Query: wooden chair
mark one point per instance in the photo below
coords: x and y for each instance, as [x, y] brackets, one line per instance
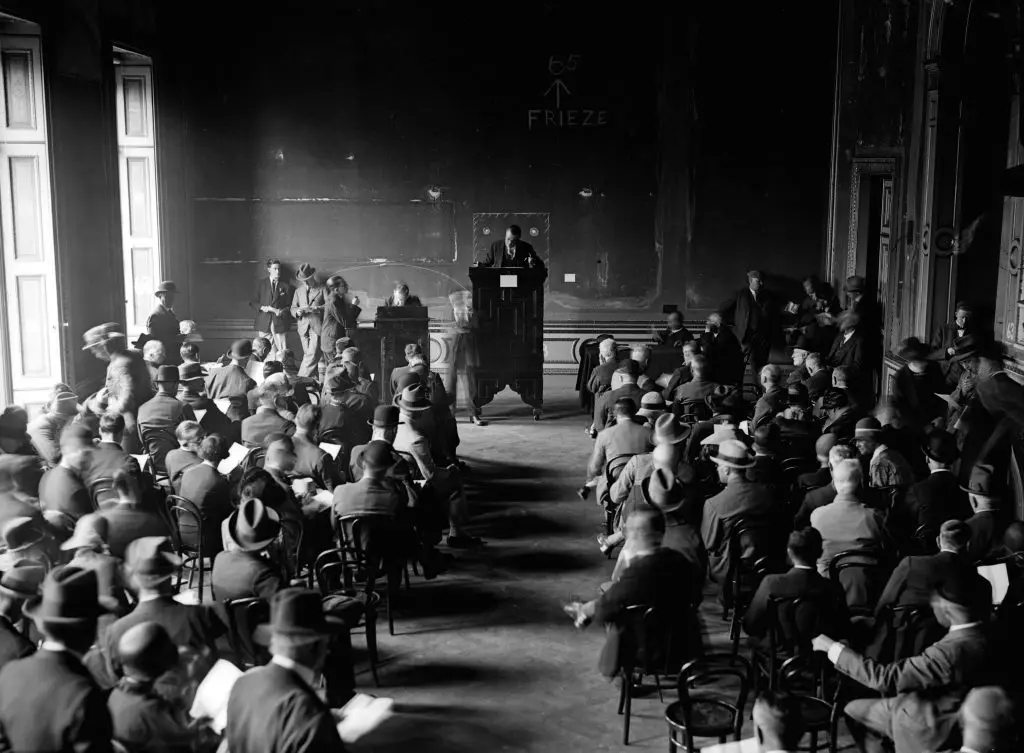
[102, 492]
[792, 624]
[332, 574]
[190, 548]
[870, 567]
[158, 441]
[816, 712]
[645, 651]
[703, 710]
[360, 537]
[612, 470]
[244, 616]
[752, 548]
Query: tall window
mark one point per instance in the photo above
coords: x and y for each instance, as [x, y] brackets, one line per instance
[136, 158]
[31, 317]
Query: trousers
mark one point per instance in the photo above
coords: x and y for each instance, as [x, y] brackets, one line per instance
[312, 356]
[277, 344]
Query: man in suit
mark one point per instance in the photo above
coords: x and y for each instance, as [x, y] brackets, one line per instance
[192, 392]
[272, 303]
[189, 434]
[131, 517]
[266, 420]
[682, 375]
[108, 456]
[308, 311]
[162, 324]
[241, 571]
[921, 695]
[987, 525]
[742, 501]
[600, 380]
[675, 334]
[44, 431]
[341, 312]
[943, 342]
[801, 350]
[938, 498]
[754, 312]
[413, 354]
[62, 487]
[400, 296]
[819, 376]
[823, 476]
[886, 467]
[128, 383]
[347, 410]
[626, 436]
[850, 350]
[724, 353]
[656, 576]
[802, 581]
[159, 417]
[823, 495]
[773, 396]
[385, 428]
[917, 383]
[231, 382]
[310, 460]
[19, 584]
[628, 372]
[512, 252]
[49, 700]
[694, 393]
[208, 490]
[999, 399]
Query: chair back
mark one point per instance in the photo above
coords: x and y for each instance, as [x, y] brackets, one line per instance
[244, 616]
[158, 441]
[289, 542]
[792, 624]
[699, 409]
[646, 641]
[330, 571]
[613, 468]
[187, 524]
[703, 678]
[862, 573]
[914, 629]
[102, 492]
[253, 459]
[368, 541]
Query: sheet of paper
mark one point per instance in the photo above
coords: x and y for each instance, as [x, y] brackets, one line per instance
[331, 449]
[792, 308]
[142, 460]
[211, 701]
[949, 400]
[254, 369]
[998, 577]
[199, 413]
[223, 403]
[508, 281]
[302, 486]
[235, 456]
[663, 380]
[361, 715]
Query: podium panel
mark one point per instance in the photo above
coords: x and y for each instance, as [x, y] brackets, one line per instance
[509, 308]
[396, 328]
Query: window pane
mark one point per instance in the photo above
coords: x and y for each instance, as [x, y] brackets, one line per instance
[25, 196]
[138, 197]
[143, 282]
[33, 325]
[18, 98]
[135, 106]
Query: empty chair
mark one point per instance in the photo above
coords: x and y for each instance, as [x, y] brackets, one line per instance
[705, 708]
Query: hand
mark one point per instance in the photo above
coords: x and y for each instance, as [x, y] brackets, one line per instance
[266, 309]
[822, 643]
[355, 300]
[277, 312]
[951, 351]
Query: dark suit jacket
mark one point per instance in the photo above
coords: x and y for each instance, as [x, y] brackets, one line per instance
[13, 645]
[814, 499]
[915, 579]
[164, 412]
[741, 500]
[725, 356]
[260, 425]
[772, 402]
[242, 575]
[231, 382]
[61, 489]
[282, 300]
[272, 709]
[50, 702]
[177, 462]
[370, 496]
[753, 320]
[314, 463]
[399, 468]
[679, 377]
[396, 375]
[211, 493]
[932, 502]
[799, 582]
[814, 479]
[601, 377]
[818, 382]
[340, 315]
[214, 421]
[852, 354]
[106, 460]
[605, 404]
[163, 325]
[986, 535]
[496, 256]
[143, 721]
[914, 395]
[127, 522]
[675, 339]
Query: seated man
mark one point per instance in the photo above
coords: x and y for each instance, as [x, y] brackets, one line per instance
[773, 400]
[164, 410]
[667, 431]
[413, 354]
[240, 571]
[657, 577]
[130, 518]
[62, 488]
[675, 334]
[108, 456]
[986, 525]
[886, 466]
[232, 382]
[600, 379]
[628, 372]
[192, 392]
[266, 420]
[801, 350]
[18, 585]
[625, 437]
[310, 460]
[205, 487]
[823, 495]
[921, 694]
[385, 429]
[823, 476]
[189, 435]
[347, 411]
[696, 391]
[802, 581]
[641, 353]
[987, 721]
[819, 376]
[938, 498]
[682, 375]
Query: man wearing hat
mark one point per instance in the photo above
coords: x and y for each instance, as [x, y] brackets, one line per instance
[798, 431]
[142, 718]
[231, 382]
[266, 420]
[886, 467]
[754, 313]
[49, 700]
[310, 460]
[723, 351]
[850, 350]
[385, 429]
[921, 695]
[767, 468]
[801, 350]
[986, 524]
[192, 392]
[20, 583]
[652, 405]
[308, 310]
[341, 311]
[128, 383]
[89, 544]
[664, 491]
[626, 436]
[628, 372]
[162, 414]
[938, 498]
[44, 431]
[243, 571]
[741, 501]
[917, 383]
[162, 324]
[346, 411]
[272, 302]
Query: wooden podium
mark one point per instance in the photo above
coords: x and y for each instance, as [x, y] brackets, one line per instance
[396, 328]
[509, 307]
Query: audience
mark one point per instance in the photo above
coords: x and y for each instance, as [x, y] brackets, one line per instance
[189, 435]
[773, 399]
[626, 436]
[938, 498]
[696, 391]
[819, 376]
[206, 488]
[108, 456]
[232, 382]
[886, 467]
[986, 524]
[682, 375]
[19, 584]
[627, 372]
[130, 518]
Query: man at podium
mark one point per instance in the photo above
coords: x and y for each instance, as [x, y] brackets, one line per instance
[512, 252]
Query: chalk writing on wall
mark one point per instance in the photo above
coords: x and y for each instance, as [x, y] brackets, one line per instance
[557, 112]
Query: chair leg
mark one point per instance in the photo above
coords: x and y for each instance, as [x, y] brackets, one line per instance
[622, 692]
[629, 703]
[814, 741]
[199, 562]
[657, 684]
[405, 571]
[391, 618]
[371, 643]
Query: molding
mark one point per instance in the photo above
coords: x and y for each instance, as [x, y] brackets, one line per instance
[851, 238]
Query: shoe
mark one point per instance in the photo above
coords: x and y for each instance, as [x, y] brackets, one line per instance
[583, 492]
[593, 433]
[606, 548]
[464, 542]
[477, 420]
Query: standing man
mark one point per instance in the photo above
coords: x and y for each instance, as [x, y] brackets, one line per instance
[163, 325]
[308, 310]
[128, 384]
[341, 311]
[273, 316]
[512, 252]
[753, 311]
[465, 357]
[723, 351]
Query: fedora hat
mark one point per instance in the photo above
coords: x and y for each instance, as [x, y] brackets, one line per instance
[69, 595]
[298, 613]
[253, 526]
[941, 447]
[90, 533]
[867, 426]
[241, 348]
[152, 560]
[855, 284]
[980, 481]
[663, 491]
[22, 580]
[23, 532]
[147, 651]
[384, 417]
[100, 335]
[189, 371]
[167, 286]
[305, 272]
[412, 398]
[965, 347]
[669, 430]
[734, 454]
[912, 349]
[722, 433]
[13, 422]
[339, 381]
[166, 374]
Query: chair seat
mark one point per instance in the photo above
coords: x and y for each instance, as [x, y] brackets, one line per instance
[708, 717]
[815, 712]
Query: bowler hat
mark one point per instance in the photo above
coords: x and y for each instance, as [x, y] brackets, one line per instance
[980, 481]
[151, 560]
[867, 426]
[913, 349]
[100, 335]
[412, 398]
[669, 430]
[305, 272]
[166, 374]
[663, 490]
[855, 284]
[90, 533]
[298, 613]
[941, 447]
[652, 405]
[65, 404]
[965, 347]
[146, 651]
[22, 579]
[804, 344]
[378, 455]
[339, 381]
[167, 286]
[254, 526]
[796, 394]
[189, 371]
[384, 417]
[734, 454]
[22, 532]
[241, 348]
[70, 595]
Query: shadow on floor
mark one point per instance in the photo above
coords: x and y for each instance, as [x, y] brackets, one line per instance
[490, 490]
[544, 561]
[515, 524]
[453, 728]
[495, 470]
[440, 674]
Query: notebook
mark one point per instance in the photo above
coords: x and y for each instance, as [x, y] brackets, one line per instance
[235, 456]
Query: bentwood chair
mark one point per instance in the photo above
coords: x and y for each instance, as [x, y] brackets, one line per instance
[704, 709]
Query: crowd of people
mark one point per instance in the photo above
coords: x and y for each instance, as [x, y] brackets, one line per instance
[888, 523]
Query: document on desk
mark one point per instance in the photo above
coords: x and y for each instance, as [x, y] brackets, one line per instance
[235, 456]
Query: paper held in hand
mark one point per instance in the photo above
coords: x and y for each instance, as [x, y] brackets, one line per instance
[235, 456]
[663, 380]
[792, 308]
[949, 400]
[223, 403]
[211, 701]
[331, 449]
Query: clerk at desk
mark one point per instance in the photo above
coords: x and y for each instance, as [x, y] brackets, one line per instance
[512, 252]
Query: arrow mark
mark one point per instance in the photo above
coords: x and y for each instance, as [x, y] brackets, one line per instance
[559, 88]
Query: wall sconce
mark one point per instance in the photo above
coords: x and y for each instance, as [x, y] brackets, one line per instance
[486, 230]
[586, 192]
[279, 155]
[534, 232]
[350, 157]
[434, 192]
